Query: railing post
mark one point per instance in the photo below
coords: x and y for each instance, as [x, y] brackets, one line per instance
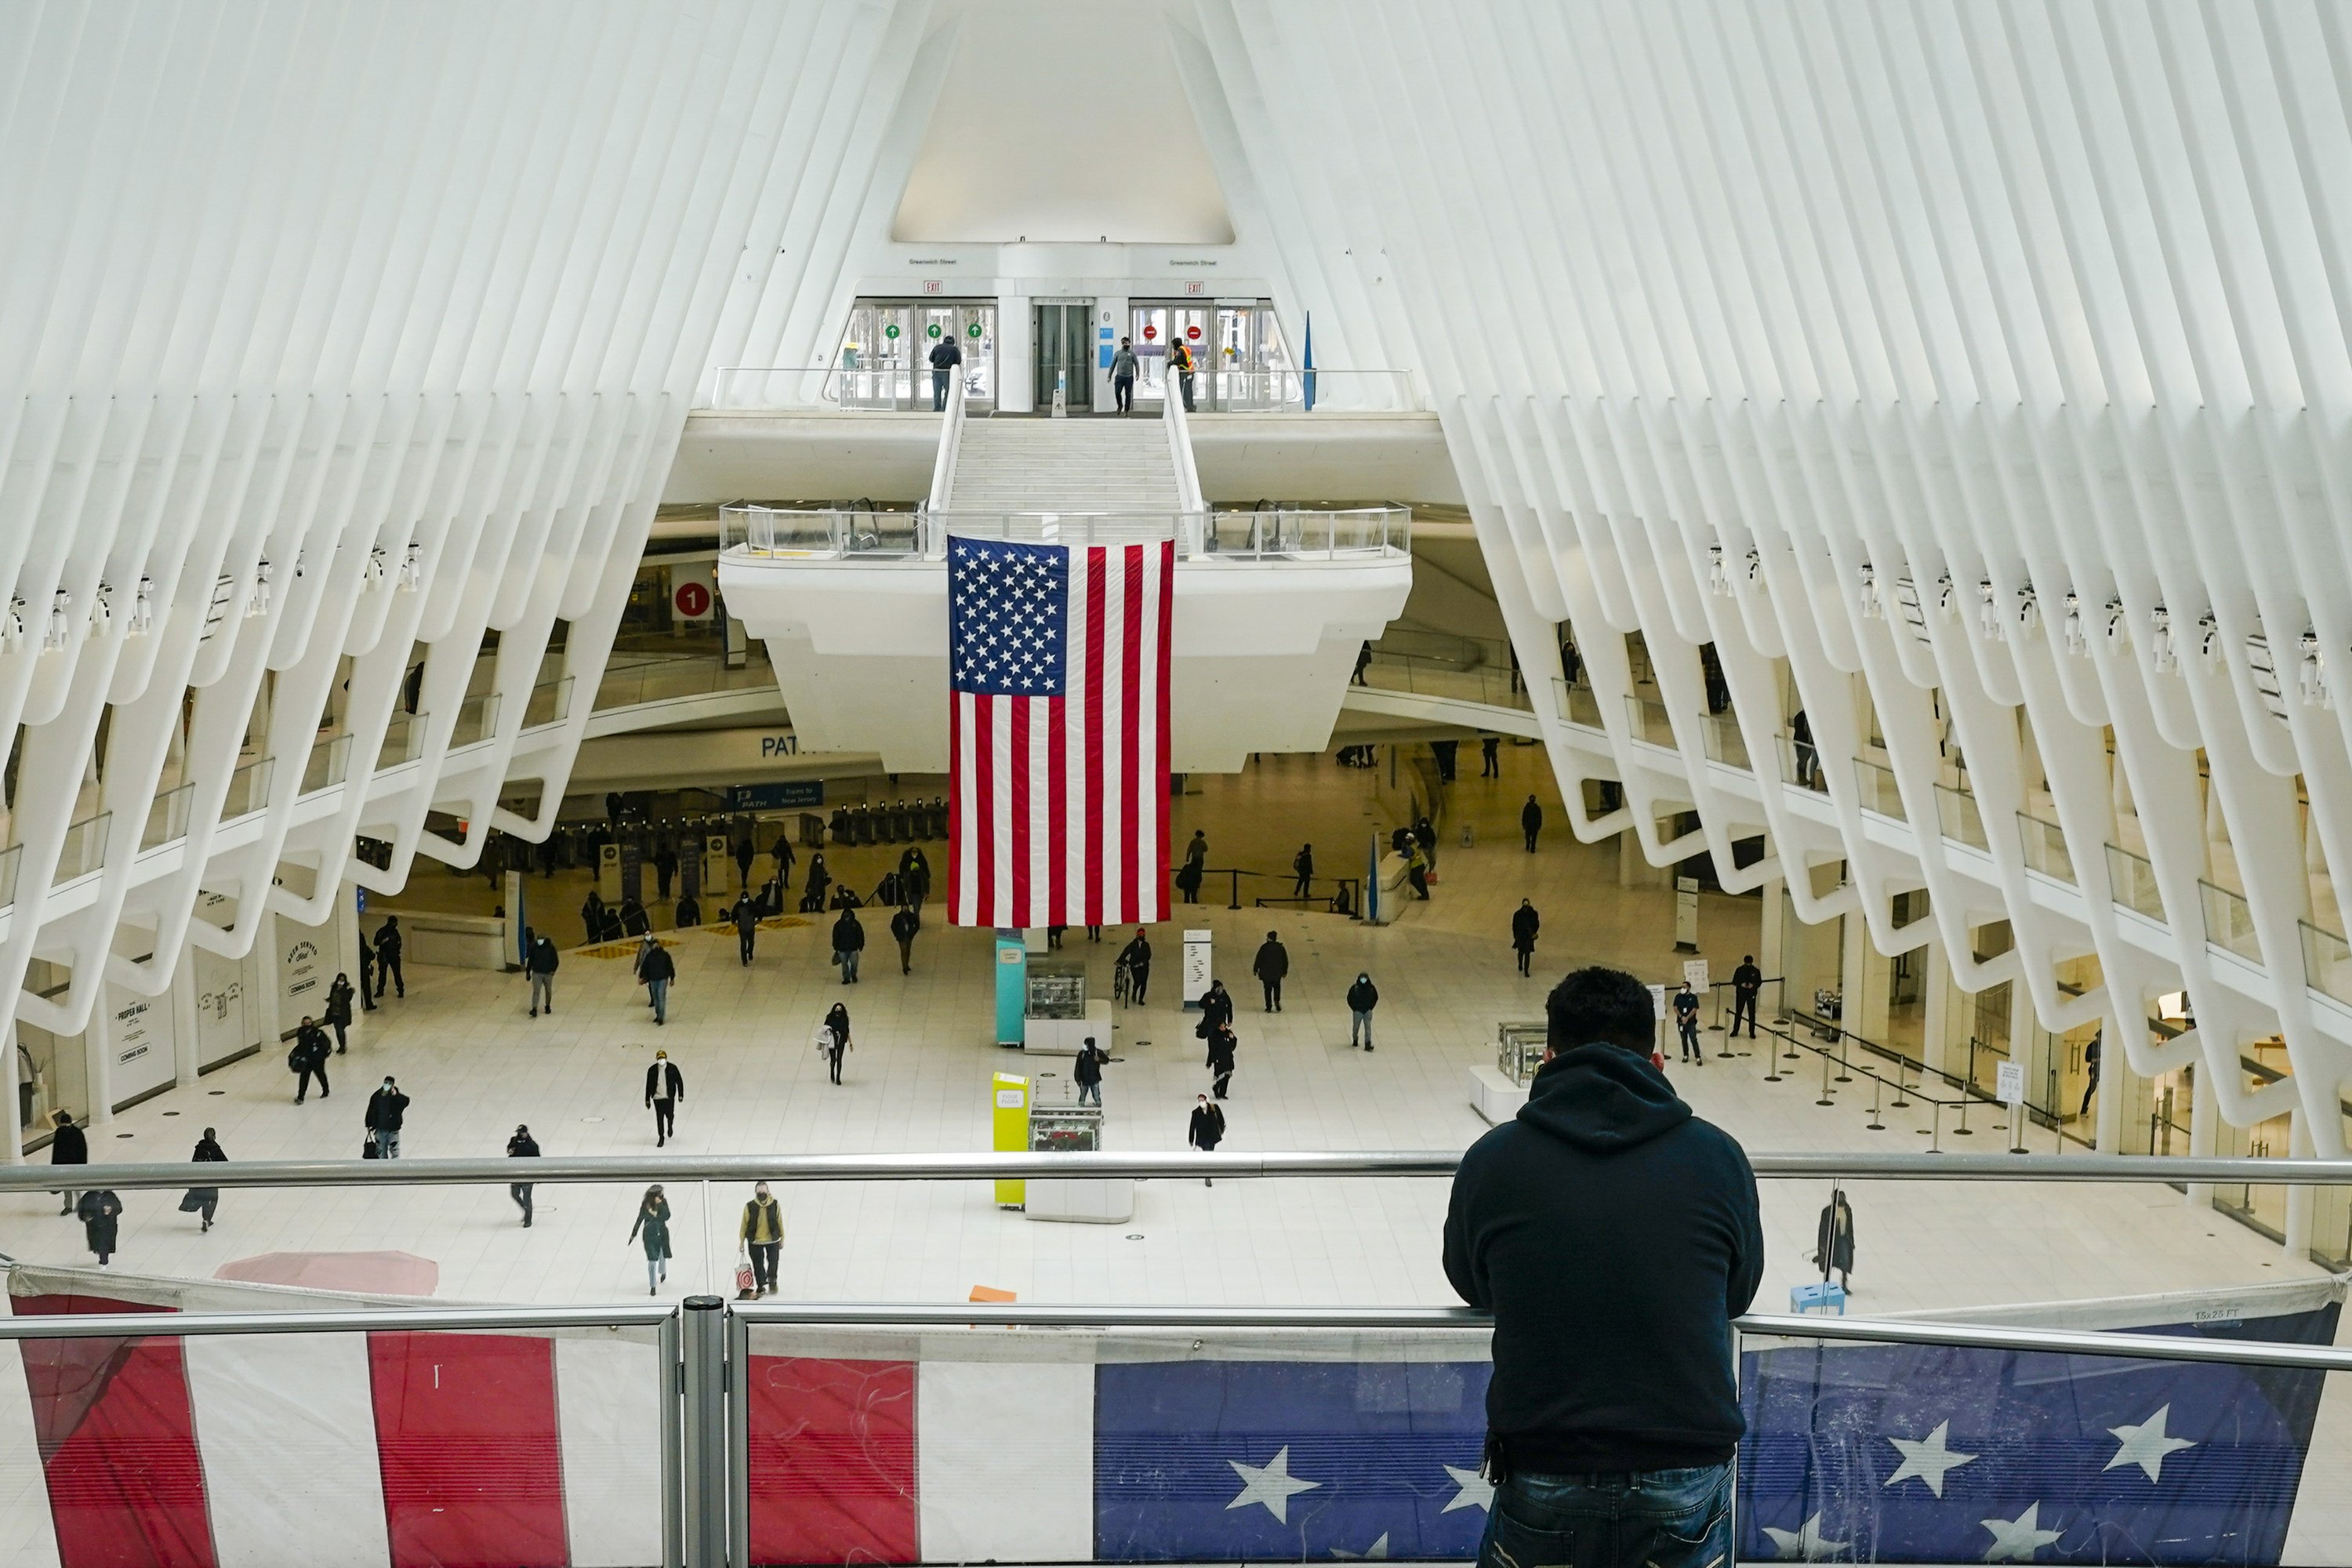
[673, 1463]
[704, 1346]
[1237, 890]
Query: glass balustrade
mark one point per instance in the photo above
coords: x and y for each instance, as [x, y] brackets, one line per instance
[404, 741]
[1725, 741]
[2326, 962]
[550, 703]
[1647, 720]
[328, 765]
[167, 817]
[1876, 781]
[84, 849]
[2229, 922]
[2131, 879]
[478, 720]
[12, 860]
[1958, 819]
[1578, 704]
[2044, 847]
[249, 789]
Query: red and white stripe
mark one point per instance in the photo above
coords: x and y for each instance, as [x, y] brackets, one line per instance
[1058, 805]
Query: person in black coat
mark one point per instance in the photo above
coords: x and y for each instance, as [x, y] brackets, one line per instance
[387, 1108]
[99, 1211]
[1302, 871]
[1747, 984]
[204, 1200]
[1524, 923]
[367, 975]
[1216, 1008]
[1531, 822]
[522, 1146]
[1087, 1072]
[387, 957]
[656, 970]
[1136, 958]
[744, 916]
[744, 856]
[1222, 1047]
[665, 1087]
[906, 925]
[834, 1037]
[339, 1011]
[1272, 963]
[1834, 1240]
[1206, 1130]
[67, 1146]
[785, 858]
[1363, 997]
[308, 1061]
[848, 942]
[665, 869]
[592, 915]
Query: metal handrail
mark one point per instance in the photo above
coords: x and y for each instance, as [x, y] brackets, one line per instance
[75, 1326]
[980, 1167]
[950, 444]
[1180, 452]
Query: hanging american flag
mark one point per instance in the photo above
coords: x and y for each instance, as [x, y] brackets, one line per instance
[1057, 696]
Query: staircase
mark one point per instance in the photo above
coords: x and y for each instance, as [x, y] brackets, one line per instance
[1065, 466]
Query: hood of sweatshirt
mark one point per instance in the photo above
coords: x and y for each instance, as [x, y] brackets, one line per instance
[1603, 1099]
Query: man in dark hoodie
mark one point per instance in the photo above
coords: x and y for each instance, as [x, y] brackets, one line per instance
[1614, 1236]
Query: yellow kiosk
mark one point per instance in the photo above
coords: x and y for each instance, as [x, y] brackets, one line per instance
[1011, 1126]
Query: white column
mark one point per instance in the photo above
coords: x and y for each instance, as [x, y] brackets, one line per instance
[2298, 1199]
[97, 1061]
[182, 1000]
[1017, 354]
[1939, 984]
[15, 1119]
[2204, 1116]
[1110, 311]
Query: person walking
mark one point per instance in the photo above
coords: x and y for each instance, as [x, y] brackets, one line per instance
[665, 867]
[656, 970]
[2091, 1066]
[99, 1211]
[1531, 822]
[1363, 997]
[1206, 1130]
[1222, 1047]
[67, 1146]
[1490, 762]
[1524, 923]
[1834, 1241]
[1122, 376]
[593, 915]
[1272, 963]
[387, 958]
[904, 925]
[944, 356]
[204, 1201]
[664, 1088]
[848, 942]
[387, 1108]
[762, 1235]
[744, 916]
[1686, 1023]
[541, 965]
[339, 1011]
[782, 851]
[1216, 1009]
[1087, 1072]
[522, 1146]
[1746, 983]
[1302, 871]
[1570, 662]
[833, 1040]
[367, 975]
[1180, 364]
[1614, 1236]
[1364, 663]
[1136, 956]
[914, 876]
[653, 1224]
[744, 854]
[308, 1061]
[1801, 743]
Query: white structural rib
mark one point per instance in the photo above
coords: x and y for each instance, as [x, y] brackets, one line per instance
[1972, 377]
[334, 340]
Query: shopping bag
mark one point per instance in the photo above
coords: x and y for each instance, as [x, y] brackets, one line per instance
[744, 1281]
[368, 1151]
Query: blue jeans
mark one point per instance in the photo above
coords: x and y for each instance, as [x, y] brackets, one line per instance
[1655, 1519]
[1360, 1027]
[660, 989]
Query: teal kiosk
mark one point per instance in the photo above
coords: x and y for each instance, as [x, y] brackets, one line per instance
[1012, 987]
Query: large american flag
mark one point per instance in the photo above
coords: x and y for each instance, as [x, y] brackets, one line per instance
[1057, 696]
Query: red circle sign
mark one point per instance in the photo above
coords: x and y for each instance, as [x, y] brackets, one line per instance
[1150, 333]
[1194, 333]
[692, 599]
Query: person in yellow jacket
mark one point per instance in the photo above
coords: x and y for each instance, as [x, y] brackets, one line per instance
[762, 1231]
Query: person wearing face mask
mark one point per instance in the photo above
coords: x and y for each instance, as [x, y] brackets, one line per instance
[386, 1108]
[653, 1224]
[762, 1232]
[1363, 997]
[1206, 1131]
[522, 1146]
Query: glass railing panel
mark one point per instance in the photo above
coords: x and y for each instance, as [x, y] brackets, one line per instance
[84, 849]
[167, 817]
[249, 789]
[1801, 763]
[404, 740]
[11, 861]
[2044, 847]
[1875, 781]
[1725, 743]
[478, 720]
[2229, 922]
[1578, 704]
[1958, 818]
[2132, 880]
[550, 703]
[328, 765]
[2326, 962]
[1649, 720]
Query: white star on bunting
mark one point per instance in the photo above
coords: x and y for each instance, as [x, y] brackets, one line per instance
[1270, 1484]
[2146, 1445]
[1476, 1490]
[1929, 1462]
[1805, 1545]
[2017, 1539]
[1377, 1552]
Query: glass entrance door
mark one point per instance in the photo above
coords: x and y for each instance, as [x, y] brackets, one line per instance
[1065, 357]
[884, 360]
[1239, 358]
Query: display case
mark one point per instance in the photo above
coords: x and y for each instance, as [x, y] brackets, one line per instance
[1058, 986]
[1520, 1051]
[1064, 1129]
